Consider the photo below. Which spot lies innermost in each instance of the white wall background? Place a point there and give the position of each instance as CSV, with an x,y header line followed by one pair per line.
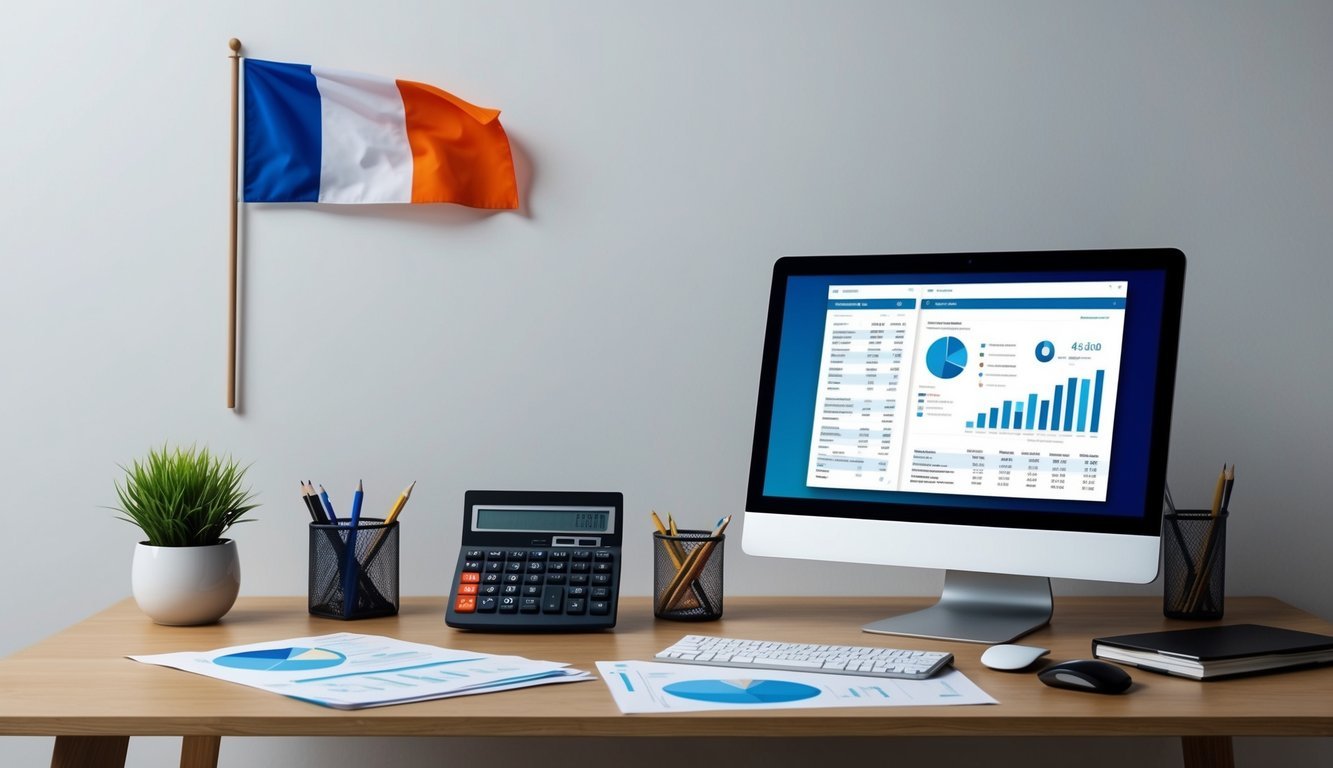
x,y
608,335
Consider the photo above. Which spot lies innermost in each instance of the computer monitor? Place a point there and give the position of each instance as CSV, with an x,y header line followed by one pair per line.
x,y
1002,416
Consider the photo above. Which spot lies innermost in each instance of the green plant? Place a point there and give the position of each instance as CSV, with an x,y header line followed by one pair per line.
x,y
184,497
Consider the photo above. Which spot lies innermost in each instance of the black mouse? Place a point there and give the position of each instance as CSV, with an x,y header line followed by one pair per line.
x,y
1086,675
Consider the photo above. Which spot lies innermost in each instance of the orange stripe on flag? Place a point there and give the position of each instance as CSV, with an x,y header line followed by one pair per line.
x,y
460,153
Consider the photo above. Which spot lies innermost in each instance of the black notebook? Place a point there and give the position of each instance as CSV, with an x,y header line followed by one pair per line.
x,y
1209,653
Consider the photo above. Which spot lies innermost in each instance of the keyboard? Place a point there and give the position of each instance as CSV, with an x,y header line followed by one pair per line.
x,y
806,657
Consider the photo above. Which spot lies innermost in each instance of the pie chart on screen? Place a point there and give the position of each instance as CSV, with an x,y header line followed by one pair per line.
x,y
282,659
742,691
946,358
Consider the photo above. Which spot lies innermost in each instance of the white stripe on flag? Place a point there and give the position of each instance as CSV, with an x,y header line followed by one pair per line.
x,y
366,156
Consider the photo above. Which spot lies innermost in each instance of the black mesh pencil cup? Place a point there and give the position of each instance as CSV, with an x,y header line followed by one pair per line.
x,y
354,571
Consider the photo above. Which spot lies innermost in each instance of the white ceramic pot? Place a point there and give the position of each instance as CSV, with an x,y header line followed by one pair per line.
x,y
184,586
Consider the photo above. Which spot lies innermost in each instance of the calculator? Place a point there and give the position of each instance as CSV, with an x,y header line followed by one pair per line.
x,y
538,561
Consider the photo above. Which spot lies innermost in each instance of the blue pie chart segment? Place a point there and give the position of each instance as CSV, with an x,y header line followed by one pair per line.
x,y
946,358
742,691
282,659
1045,351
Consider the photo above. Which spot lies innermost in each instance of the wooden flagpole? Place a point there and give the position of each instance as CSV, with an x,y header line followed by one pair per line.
x,y
233,205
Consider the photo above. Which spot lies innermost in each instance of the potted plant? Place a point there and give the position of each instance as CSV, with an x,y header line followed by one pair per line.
x,y
184,500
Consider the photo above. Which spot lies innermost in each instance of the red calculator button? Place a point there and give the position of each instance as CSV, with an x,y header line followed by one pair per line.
x,y
469,577
467,589
465,604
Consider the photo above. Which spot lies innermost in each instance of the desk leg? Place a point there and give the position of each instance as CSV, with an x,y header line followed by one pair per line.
x,y
90,752
200,751
1207,751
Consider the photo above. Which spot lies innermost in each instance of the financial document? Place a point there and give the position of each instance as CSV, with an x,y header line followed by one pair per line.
x,y
352,671
641,687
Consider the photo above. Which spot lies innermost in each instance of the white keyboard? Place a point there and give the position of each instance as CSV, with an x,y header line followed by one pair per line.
x,y
806,657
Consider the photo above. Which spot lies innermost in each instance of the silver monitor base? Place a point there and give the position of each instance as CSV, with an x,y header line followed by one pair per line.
x,y
977,608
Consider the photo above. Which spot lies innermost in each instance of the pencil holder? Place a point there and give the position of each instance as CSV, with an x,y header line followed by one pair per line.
x,y
1194,549
687,575
354,570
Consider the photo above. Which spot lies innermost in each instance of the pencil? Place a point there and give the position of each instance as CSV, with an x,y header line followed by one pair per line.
x,y
394,512
1217,491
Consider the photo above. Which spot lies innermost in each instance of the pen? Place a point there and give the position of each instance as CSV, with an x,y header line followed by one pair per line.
x,y
350,562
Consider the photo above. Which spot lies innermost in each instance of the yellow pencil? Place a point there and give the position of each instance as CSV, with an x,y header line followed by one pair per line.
x,y
1217,492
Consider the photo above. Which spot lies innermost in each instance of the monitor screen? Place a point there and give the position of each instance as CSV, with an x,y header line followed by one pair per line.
x,y
1024,391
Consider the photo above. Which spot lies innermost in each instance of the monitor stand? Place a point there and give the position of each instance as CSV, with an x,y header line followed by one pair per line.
x,y
977,608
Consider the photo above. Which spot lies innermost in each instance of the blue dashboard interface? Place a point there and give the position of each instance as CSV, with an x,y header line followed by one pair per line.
x,y
1016,392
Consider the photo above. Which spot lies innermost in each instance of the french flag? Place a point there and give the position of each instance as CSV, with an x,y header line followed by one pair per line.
x,y
318,135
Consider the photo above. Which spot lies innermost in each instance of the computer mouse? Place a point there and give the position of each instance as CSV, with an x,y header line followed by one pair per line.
x,y
1086,675
1011,658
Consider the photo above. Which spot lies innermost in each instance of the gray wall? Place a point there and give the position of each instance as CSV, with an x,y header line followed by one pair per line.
x,y
607,336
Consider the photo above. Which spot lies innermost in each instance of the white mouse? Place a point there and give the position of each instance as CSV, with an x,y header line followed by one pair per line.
x,y
1011,658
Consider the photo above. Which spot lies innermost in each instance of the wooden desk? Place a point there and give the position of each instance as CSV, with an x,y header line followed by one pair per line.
x,y
78,686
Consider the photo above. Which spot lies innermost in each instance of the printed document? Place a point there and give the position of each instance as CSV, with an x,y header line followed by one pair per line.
x,y
351,671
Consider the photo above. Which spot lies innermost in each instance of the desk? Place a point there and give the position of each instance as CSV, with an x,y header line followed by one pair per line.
x,y
77,685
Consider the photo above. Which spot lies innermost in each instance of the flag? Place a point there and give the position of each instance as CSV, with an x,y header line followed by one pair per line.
x,y
318,135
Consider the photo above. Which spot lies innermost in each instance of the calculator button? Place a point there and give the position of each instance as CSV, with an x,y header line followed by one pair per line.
x,y
581,554
532,591
529,604
486,605
601,567
489,589
514,566
495,554
494,566
579,579
599,607
472,565
580,567
509,589
601,579
577,592
473,554
536,554
560,554
555,578
536,567
513,578
556,566
576,605
467,589
465,604
490,578
533,578
603,556
516,554
508,605
553,600
468,578
601,593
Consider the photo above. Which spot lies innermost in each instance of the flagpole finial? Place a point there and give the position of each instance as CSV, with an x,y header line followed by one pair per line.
x,y
235,46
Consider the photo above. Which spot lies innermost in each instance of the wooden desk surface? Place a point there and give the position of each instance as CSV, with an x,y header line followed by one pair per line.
x,y
79,683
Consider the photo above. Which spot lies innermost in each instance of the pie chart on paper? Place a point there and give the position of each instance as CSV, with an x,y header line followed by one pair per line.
x,y
282,659
946,358
742,691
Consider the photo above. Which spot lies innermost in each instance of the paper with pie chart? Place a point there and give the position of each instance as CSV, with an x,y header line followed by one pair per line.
x,y
642,687
352,671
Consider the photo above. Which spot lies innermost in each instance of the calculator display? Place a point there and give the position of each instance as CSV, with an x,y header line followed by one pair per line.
x,y
554,519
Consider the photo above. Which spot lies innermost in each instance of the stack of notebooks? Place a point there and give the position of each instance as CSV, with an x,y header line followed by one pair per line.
x,y
1209,653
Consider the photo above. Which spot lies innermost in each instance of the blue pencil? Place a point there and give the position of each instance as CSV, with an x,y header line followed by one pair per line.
x,y
351,565
328,505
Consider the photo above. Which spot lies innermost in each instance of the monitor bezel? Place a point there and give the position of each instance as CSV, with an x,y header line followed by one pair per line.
x,y
1169,261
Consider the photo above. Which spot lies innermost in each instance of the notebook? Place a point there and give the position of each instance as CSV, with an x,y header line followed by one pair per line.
x,y
1209,653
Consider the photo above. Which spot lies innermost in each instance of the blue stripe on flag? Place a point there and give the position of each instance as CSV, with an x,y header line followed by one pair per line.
x,y
282,133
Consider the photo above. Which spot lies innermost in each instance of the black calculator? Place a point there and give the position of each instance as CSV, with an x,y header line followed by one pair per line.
x,y
538,561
